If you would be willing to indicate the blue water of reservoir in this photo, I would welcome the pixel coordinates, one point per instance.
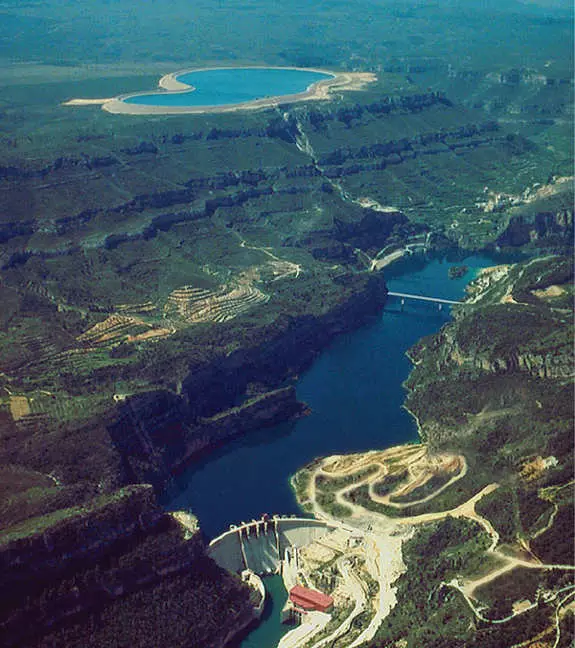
(223, 86)
(354, 389)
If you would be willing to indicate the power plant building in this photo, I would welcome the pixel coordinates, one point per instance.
(307, 599)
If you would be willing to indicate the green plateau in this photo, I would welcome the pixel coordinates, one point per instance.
(165, 279)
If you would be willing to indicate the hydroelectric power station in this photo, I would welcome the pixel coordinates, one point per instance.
(260, 545)
(272, 545)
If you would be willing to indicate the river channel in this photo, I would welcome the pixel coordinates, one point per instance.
(354, 389)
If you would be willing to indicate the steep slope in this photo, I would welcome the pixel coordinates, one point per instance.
(496, 386)
(113, 572)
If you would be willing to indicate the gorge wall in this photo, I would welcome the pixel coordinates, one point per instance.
(157, 432)
(98, 561)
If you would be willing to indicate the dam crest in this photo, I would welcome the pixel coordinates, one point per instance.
(261, 545)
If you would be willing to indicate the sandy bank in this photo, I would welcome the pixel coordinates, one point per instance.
(86, 102)
(338, 82)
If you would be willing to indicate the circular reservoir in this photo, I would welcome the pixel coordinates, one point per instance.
(217, 87)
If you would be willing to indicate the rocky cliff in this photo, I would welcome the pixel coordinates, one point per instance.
(157, 431)
(99, 561)
(496, 380)
(544, 227)
(48, 543)
(469, 350)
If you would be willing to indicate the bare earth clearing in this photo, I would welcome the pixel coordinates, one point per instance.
(403, 473)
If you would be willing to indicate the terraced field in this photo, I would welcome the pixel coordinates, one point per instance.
(194, 305)
(113, 329)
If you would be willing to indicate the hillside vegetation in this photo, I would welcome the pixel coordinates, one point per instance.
(164, 279)
(496, 385)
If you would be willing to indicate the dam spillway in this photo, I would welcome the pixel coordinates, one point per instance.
(260, 548)
(260, 545)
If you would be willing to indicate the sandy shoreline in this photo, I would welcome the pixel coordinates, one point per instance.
(87, 102)
(321, 90)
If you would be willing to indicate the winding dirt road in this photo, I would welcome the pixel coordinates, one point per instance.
(384, 528)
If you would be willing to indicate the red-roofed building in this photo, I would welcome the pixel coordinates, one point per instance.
(308, 599)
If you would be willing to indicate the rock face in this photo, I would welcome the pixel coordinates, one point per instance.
(371, 228)
(262, 411)
(74, 534)
(157, 432)
(539, 227)
(557, 363)
(98, 560)
(507, 356)
(157, 435)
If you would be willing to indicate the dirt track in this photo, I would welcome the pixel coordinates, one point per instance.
(415, 460)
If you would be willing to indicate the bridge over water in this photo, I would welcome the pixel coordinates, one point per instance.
(435, 300)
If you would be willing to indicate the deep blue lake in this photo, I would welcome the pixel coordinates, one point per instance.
(219, 87)
(354, 389)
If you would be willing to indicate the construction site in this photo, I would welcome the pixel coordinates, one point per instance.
(341, 567)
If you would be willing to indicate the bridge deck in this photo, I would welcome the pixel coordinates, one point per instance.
(436, 300)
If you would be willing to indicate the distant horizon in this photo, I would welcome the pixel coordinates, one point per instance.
(331, 277)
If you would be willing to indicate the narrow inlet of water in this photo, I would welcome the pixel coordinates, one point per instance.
(270, 629)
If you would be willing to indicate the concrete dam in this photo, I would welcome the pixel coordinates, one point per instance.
(260, 545)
